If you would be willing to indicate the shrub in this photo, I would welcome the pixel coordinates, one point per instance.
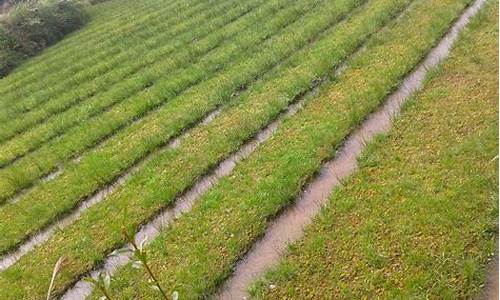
(8, 57)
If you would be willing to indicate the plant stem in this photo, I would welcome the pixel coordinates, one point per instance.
(142, 257)
(155, 280)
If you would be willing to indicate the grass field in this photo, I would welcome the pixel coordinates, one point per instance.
(428, 233)
(113, 125)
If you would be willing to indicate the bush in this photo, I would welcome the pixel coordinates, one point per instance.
(8, 57)
(31, 26)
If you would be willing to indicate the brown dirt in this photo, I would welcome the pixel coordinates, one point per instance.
(490, 290)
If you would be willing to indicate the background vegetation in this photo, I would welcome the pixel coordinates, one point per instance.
(30, 26)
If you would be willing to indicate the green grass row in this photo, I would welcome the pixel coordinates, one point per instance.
(28, 91)
(160, 181)
(103, 59)
(197, 253)
(94, 25)
(91, 99)
(420, 218)
(99, 167)
(123, 47)
(221, 53)
(100, 77)
(108, 29)
(26, 75)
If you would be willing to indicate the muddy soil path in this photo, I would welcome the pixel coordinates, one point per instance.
(490, 290)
